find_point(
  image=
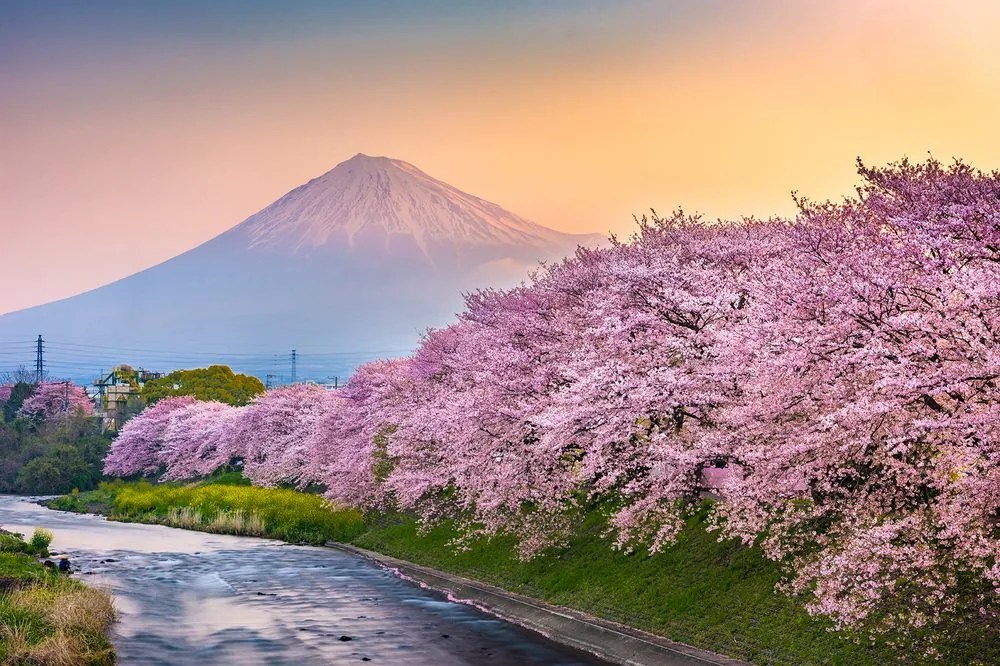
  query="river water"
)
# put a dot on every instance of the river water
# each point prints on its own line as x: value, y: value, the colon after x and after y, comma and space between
x: 194, y: 598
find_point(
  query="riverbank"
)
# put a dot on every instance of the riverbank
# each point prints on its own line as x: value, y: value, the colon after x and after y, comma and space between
x: 715, y: 596
x: 46, y: 617
x: 227, y: 505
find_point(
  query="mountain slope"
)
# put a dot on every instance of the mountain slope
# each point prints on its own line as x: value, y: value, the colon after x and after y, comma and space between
x: 379, y: 196
x: 358, y: 260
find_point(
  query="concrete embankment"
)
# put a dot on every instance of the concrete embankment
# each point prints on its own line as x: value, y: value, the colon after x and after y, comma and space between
x: 610, y: 641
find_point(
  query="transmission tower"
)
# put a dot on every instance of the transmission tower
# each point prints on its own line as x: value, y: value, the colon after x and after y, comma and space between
x: 295, y: 358
x: 39, y: 359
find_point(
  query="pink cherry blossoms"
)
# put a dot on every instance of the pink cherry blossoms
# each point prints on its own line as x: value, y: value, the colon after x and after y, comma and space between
x: 271, y: 434
x: 56, y: 400
x: 831, y: 380
x: 183, y: 438
x: 140, y: 445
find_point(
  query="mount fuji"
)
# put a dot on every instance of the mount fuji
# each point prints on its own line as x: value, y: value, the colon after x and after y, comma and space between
x: 353, y: 264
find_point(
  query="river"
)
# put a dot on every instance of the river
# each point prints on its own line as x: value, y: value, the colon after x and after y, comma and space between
x: 193, y: 598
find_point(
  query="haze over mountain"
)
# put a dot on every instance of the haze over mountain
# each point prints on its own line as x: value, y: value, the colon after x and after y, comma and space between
x: 353, y: 264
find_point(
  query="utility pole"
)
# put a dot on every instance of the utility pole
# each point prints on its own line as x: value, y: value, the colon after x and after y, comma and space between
x: 39, y: 359
x: 295, y: 357
x: 101, y: 411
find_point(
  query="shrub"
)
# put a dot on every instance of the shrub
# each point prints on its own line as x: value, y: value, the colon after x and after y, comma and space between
x: 40, y: 541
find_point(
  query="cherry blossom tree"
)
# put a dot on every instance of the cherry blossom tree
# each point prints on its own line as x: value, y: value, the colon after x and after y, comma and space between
x: 348, y: 448
x: 51, y: 400
x: 138, y: 448
x: 273, y: 432
x: 868, y: 426
x: 198, y: 439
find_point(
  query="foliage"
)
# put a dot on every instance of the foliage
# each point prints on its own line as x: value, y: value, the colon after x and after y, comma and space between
x: 228, y: 477
x: 221, y: 505
x: 271, y: 437
x: 51, y: 457
x: 40, y: 540
x: 185, y: 438
x: 64, y: 467
x: 100, y: 500
x: 10, y: 542
x: 139, y: 448
x: 13, y: 542
x: 215, y: 383
x: 832, y: 379
x: 48, y: 441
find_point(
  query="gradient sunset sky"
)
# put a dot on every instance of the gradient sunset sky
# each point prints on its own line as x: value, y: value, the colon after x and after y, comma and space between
x: 132, y: 131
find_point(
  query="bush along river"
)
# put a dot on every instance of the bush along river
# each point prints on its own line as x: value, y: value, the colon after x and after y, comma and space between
x: 196, y: 598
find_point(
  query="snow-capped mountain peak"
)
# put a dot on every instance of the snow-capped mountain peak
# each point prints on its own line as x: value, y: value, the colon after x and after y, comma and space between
x: 380, y: 200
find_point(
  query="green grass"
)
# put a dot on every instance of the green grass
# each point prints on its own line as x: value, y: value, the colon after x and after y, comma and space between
x: 47, y: 618
x: 715, y: 595
x: 718, y: 596
x: 225, y: 506
x: 21, y: 567
x: 100, y: 501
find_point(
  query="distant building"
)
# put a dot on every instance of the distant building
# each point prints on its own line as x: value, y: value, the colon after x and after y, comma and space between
x: 119, y: 394
x: 330, y: 383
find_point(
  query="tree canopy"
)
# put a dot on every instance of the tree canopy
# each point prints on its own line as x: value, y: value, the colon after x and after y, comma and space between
x: 216, y: 383
x: 54, y: 399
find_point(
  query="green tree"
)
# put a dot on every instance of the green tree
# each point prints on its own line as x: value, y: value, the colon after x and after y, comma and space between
x: 216, y: 382
x: 21, y: 392
x: 58, y: 471
x: 51, y: 457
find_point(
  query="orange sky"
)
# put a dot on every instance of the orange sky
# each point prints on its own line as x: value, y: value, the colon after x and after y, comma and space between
x: 128, y: 136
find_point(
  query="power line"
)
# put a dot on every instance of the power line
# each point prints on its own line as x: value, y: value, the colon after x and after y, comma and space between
x: 83, y: 358
x: 313, y: 350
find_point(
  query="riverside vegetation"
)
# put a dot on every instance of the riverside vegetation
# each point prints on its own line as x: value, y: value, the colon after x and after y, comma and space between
x: 226, y: 504
x: 45, y: 617
x: 50, y: 441
x: 718, y: 595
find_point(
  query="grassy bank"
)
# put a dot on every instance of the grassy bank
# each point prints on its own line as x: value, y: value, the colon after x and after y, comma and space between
x: 718, y: 596
x: 48, y: 618
x: 223, y: 506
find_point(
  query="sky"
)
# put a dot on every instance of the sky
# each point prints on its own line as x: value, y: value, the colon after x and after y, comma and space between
x: 132, y: 131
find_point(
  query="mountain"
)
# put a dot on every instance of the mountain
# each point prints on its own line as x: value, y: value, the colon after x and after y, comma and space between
x: 350, y: 266
x: 385, y: 205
